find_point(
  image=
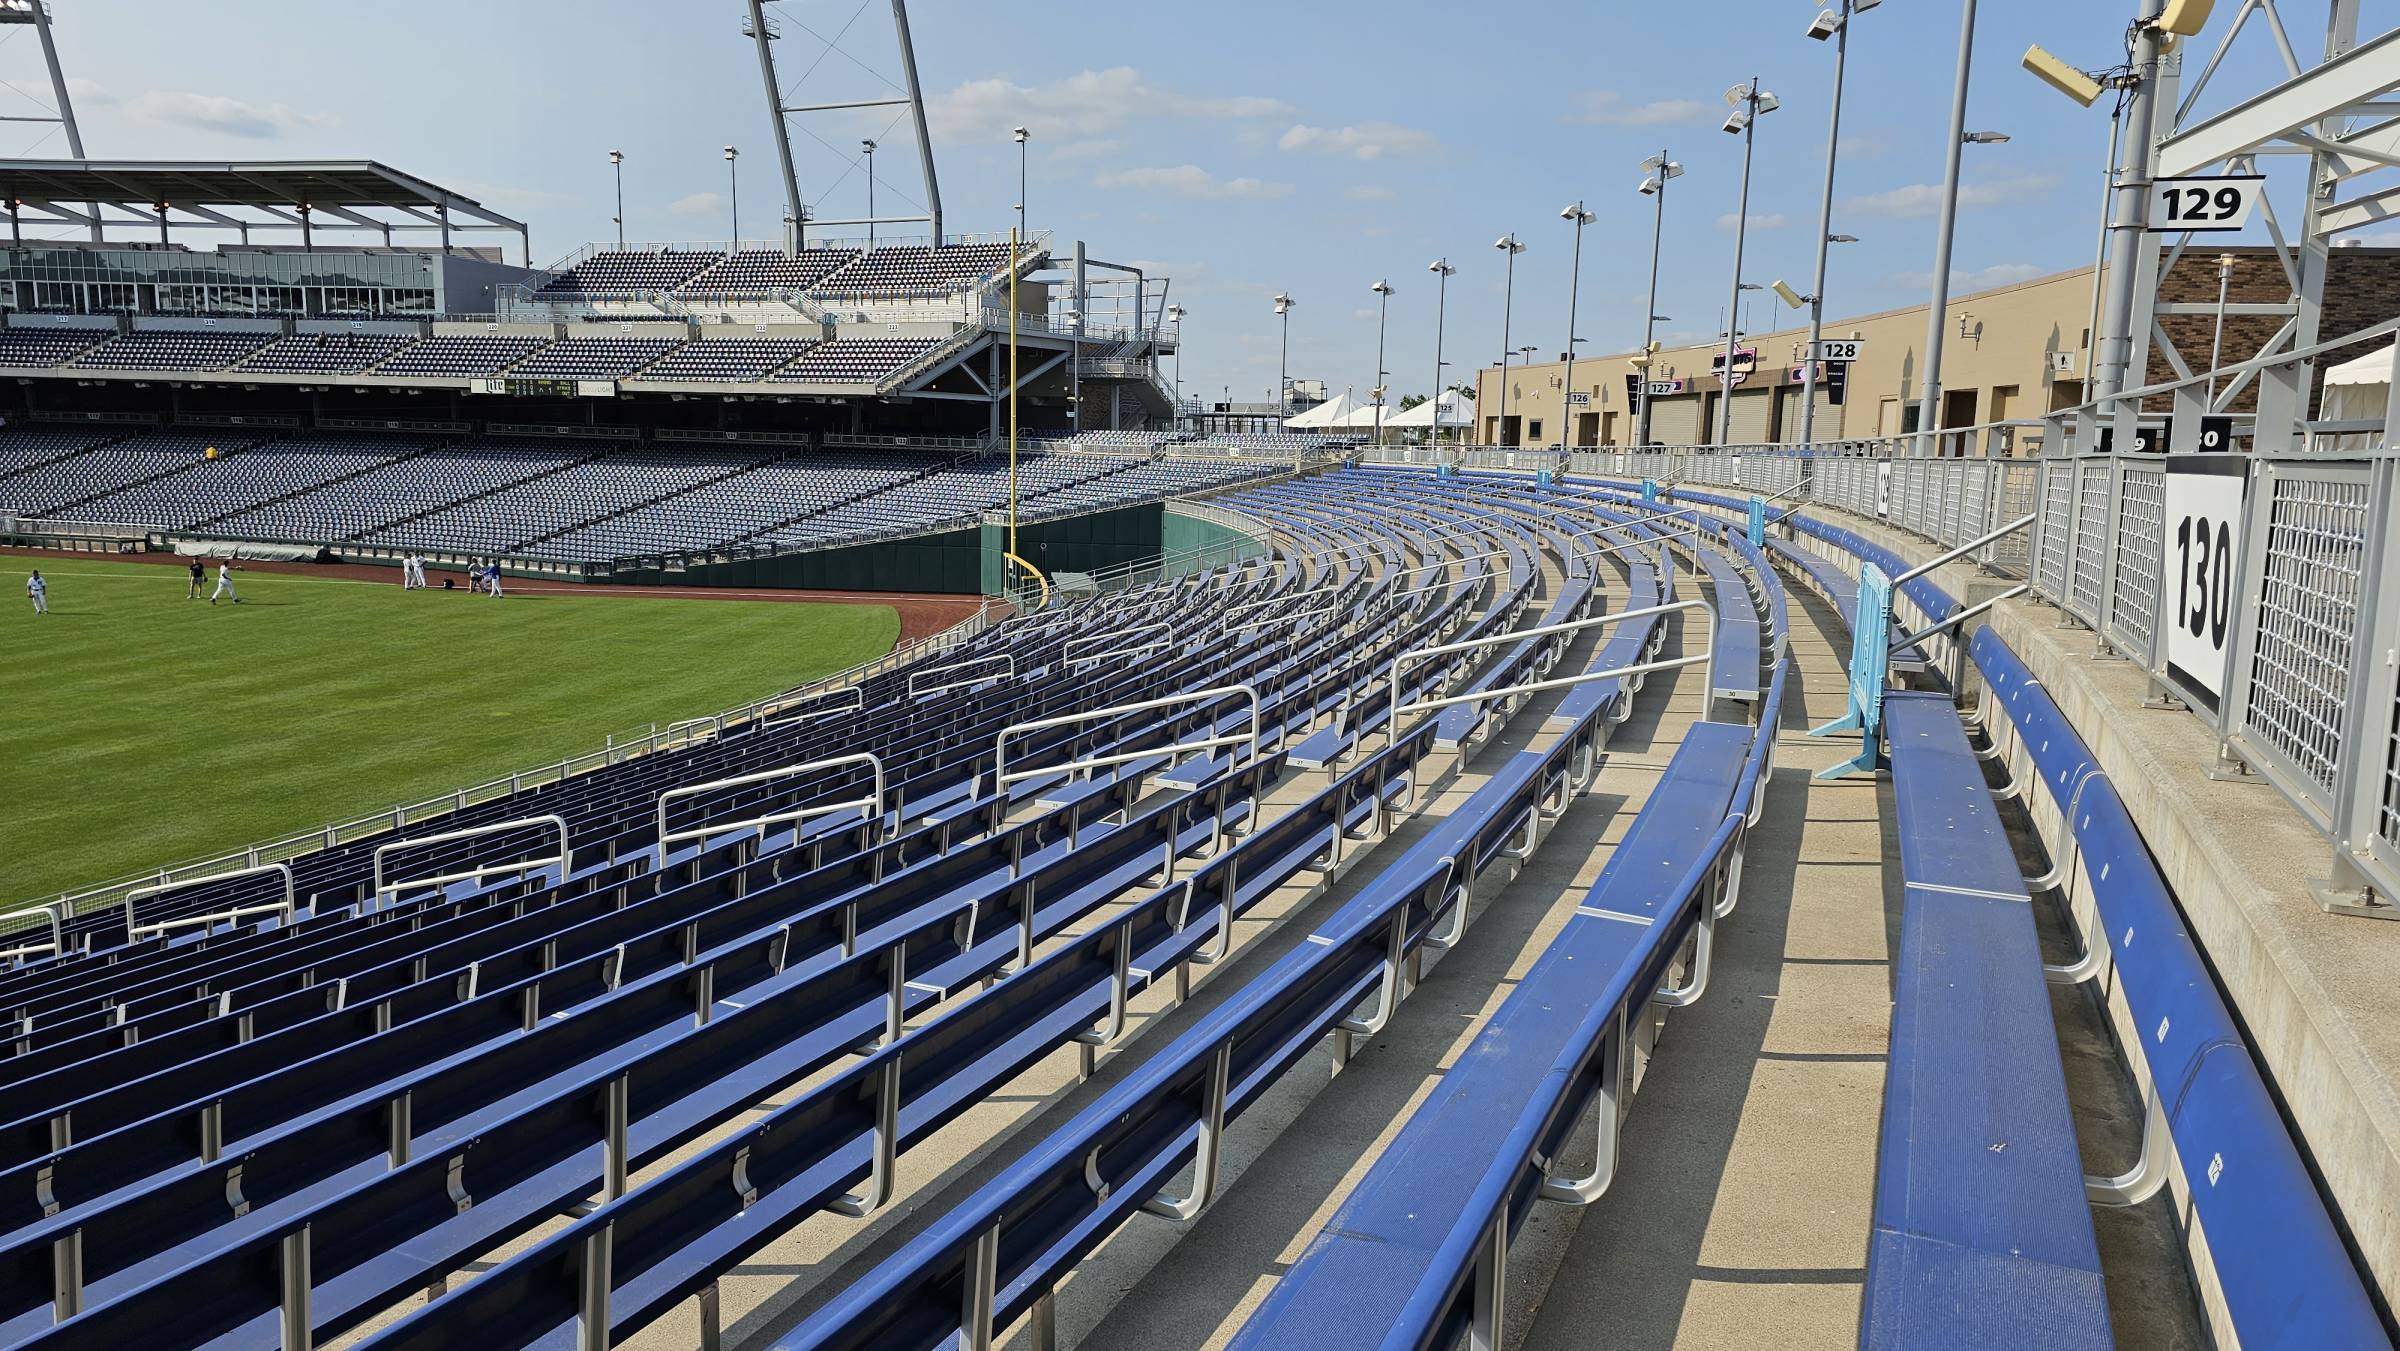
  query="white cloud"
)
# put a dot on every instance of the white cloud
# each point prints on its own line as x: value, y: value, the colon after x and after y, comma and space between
x: 1085, y: 106
x: 1980, y: 279
x: 1606, y: 108
x: 230, y: 116
x: 1918, y: 200
x: 89, y: 93
x: 1773, y: 220
x: 1369, y: 192
x: 1366, y: 141
x: 698, y: 204
x: 1189, y: 180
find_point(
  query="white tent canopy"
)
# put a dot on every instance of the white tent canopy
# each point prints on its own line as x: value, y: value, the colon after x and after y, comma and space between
x: 2358, y: 391
x: 1328, y: 414
x: 1457, y: 410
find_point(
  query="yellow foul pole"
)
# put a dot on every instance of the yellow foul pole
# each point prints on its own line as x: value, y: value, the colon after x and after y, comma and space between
x: 1012, y: 394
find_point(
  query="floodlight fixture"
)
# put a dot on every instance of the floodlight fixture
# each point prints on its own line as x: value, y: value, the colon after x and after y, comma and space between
x: 2184, y: 18
x: 1790, y: 297
x: 2056, y: 73
x: 1825, y: 25
x: 1985, y: 138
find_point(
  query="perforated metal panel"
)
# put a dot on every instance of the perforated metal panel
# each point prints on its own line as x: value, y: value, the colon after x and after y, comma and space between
x: 2087, y: 573
x: 2135, y: 558
x: 2297, y: 676
x: 1953, y: 490
x: 2056, y: 526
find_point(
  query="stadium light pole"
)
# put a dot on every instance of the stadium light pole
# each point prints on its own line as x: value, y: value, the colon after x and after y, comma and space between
x: 1831, y: 23
x: 1283, y: 376
x: 1075, y: 368
x: 1443, y: 271
x: 1383, y: 291
x: 733, y: 183
x: 1579, y: 218
x: 1658, y: 171
x: 616, y: 161
x: 1022, y: 136
x: 1929, y: 403
x: 869, y: 143
x: 1749, y: 103
x: 1511, y: 246
x: 1175, y: 315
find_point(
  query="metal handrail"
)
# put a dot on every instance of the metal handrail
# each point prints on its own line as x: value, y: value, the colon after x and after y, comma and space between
x: 857, y: 704
x: 564, y: 858
x: 1166, y: 631
x: 871, y: 808
x: 1002, y: 778
x: 1225, y: 618
x: 1392, y: 722
x: 1690, y: 526
x: 1934, y: 630
x: 58, y: 938
x: 290, y: 905
x: 1445, y: 564
x: 1010, y: 674
x: 2024, y: 522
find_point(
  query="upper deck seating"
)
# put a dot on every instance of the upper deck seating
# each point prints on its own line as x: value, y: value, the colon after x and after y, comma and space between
x: 461, y: 356
x: 47, y: 346
x: 727, y: 360
x: 856, y: 361
x: 198, y: 349
x: 919, y: 270
x: 607, y: 272
x: 768, y: 271
x: 609, y: 358
x: 324, y: 353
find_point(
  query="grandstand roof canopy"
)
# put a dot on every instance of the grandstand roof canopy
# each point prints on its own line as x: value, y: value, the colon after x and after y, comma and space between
x: 293, y: 195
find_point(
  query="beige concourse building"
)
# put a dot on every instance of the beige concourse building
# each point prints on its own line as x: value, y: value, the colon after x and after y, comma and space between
x: 2011, y: 352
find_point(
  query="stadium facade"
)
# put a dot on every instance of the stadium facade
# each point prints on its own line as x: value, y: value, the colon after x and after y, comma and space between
x: 825, y: 413
x: 2015, y: 352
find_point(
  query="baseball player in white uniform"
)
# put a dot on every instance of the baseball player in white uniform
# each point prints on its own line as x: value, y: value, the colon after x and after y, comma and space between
x: 39, y: 590
x: 224, y: 584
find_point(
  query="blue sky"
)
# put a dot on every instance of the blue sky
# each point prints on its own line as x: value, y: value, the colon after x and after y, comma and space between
x: 1242, y: 147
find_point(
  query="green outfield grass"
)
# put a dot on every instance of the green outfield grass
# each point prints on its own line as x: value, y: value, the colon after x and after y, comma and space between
x: 138, y: 728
